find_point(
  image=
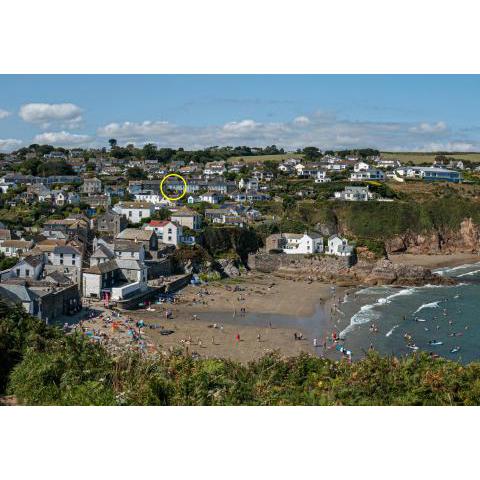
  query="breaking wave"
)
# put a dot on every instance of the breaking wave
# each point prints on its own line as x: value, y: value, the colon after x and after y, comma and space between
x: 391, y: 330
x: 366, y: 313
x: 427, y: 305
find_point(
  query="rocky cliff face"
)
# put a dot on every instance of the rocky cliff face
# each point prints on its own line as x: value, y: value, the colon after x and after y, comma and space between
x: 465, y: 239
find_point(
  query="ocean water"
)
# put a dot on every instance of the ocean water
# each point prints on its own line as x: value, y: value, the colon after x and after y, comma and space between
x: 448, y: 316
x: 444, y: 320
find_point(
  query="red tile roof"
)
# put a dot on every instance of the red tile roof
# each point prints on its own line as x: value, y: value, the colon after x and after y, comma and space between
x: 158, y: 223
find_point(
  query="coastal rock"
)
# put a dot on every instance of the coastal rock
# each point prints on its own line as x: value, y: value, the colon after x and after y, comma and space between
x: 446, y: 241
x: 386, y: 272
x: 229, y: 267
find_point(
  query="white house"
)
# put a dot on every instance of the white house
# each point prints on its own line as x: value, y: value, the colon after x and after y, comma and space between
x: 135, y: 211
x: 430, y: 174
x: 286, y: 168
x: 370, y: 174
x: 336, y: 167
x: 299, y: 167
x: 4, y: 186
x: 12, y: 248
x: 167, y: 231
x: 303, y: 244
x: 248, y: 184
x: 354, y: 194
x: 361, y: 167
x: 65, y: 255
x: 339, y: 246
x: 210, y: 197
x: 29, y: 267
x: 126, y: 249
x: 154, y: 198
x: 322, y: 177
x: 214, y: 169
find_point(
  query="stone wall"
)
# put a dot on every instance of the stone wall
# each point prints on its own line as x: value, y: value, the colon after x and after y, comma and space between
x: 270, y: 262
x: 343, y: 270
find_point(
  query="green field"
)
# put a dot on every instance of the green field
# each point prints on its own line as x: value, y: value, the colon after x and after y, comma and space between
x: 264, y: 158
x: 418, y: 157
x: 404, y: 157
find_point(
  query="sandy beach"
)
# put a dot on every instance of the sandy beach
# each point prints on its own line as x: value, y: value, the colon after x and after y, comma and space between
x: 261, y: 294
x: 435, y: 261
x: 196, y: 325
x: 207, y: 320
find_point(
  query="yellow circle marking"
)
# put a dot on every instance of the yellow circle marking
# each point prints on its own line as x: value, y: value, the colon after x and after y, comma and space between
x: 172, y: 199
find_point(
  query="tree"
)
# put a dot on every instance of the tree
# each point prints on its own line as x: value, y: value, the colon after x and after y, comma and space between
x: 311, y: 153
x: 113, y: 143
x: 149, y: 151
x: 136, y: 173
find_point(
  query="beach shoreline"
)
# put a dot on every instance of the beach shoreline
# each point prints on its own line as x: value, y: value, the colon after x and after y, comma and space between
x: 207, y: 320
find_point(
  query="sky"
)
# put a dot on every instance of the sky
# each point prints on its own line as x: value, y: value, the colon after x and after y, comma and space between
x: 387, y: 112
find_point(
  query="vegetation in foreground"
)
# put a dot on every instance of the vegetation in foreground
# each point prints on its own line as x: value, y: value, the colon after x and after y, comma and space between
x: 42, y: 366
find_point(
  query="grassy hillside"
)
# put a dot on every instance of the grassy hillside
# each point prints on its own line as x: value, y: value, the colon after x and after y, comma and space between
x: 264, y: 158
x: 419, y: 157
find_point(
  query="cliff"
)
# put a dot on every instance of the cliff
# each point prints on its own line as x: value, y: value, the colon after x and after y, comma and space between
x: 444, y: 240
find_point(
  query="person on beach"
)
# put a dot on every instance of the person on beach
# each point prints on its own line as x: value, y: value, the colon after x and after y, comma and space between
x: 237, y: 337
x: 315, y: 342
x: 258, y: 338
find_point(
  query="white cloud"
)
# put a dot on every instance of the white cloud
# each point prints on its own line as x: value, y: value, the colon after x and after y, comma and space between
x: 47, y: 113
x: 241, y: 127
x: 302, y: 120
x: 9, y: 144
x: 322, y: 129
x: 4, y: 114
x: 136, y: 130
x: 425, y: 127
x: 62, y: 139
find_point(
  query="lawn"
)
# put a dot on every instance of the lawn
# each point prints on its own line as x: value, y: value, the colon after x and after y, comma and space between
x: 264, y: 158
x: 418, y: 157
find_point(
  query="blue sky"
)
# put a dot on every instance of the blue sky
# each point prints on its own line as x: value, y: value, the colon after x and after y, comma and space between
x: 396, y: 112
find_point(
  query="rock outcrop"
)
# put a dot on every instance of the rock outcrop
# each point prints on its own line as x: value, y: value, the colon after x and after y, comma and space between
x: 339, y: 270
x: 464, y: 239
x: 384, y: 272
x: 229, y: 268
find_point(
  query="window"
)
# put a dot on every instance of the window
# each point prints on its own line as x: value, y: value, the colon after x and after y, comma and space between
x: 61, y: 261
x: 73, y: 262
x: 129, y: 213
x: 18, y: 272
x: 140, y: 213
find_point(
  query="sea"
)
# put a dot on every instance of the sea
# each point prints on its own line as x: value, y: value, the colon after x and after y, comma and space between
x: 441, y: 320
